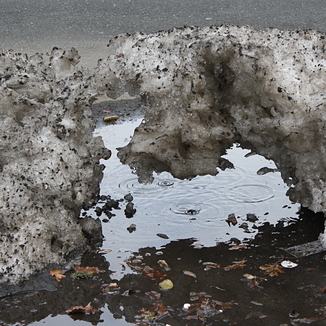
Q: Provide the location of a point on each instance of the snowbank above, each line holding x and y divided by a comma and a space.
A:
49, 161
204, 89
207, 88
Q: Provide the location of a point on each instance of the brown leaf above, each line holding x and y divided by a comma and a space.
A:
80, 309
153, 273
188, 273
153, 295
272, 269
208, 265
164, 265
236, 265
237, 247
110, 288
93, 270
57, 274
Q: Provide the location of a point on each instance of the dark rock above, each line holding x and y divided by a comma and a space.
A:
128, 197
252, 217
131, 228
130, 210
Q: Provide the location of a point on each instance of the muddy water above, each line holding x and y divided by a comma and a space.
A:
187, 223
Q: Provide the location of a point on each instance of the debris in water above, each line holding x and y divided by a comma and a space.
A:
93, 270
236, 265
237, 247
164, 265
272, 269
162, 235
190, 274
306, 249
288, 264
131, 228
166, 284
231, 219
80, 309
57, 274
209, 265
111, 118
130, 210
110, 288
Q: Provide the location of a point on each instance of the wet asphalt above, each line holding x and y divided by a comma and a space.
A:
88, 25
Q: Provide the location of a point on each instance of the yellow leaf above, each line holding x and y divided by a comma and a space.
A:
166, 284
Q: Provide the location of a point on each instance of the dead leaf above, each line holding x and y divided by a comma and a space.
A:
190, 274
253, 281
237, 247
323, 289
272, 269
236, 265
152, 315
93, 270
199, 296
166, 284
80, 309
153, 295
208, 265
131, 292
57, 274
164, 265
153, 273
112, 287
106, 251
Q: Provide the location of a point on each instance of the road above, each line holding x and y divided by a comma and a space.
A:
38, 25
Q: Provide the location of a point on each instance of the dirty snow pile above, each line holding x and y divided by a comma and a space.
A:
49, 161
207, 88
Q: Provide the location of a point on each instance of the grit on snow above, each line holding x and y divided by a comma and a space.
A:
49, 161
207, 88
204, 89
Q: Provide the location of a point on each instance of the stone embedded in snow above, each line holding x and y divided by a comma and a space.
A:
207, 88
49, 161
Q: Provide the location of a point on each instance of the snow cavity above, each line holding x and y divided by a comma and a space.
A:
205, 89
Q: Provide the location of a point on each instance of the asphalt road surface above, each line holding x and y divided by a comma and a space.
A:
39, 25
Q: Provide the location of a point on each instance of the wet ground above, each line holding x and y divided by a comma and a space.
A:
221, 240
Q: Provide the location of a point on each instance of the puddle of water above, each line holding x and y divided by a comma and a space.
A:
196, 208
183, 222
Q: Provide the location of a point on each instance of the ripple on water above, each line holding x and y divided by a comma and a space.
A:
186, 208
132, 185
250, 193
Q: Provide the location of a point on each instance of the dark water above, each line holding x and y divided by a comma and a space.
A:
184, 223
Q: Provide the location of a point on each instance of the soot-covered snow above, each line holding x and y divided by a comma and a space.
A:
49, 161
207, 88
203, 89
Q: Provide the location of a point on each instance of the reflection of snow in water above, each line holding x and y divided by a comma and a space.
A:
194, 208
166, 205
